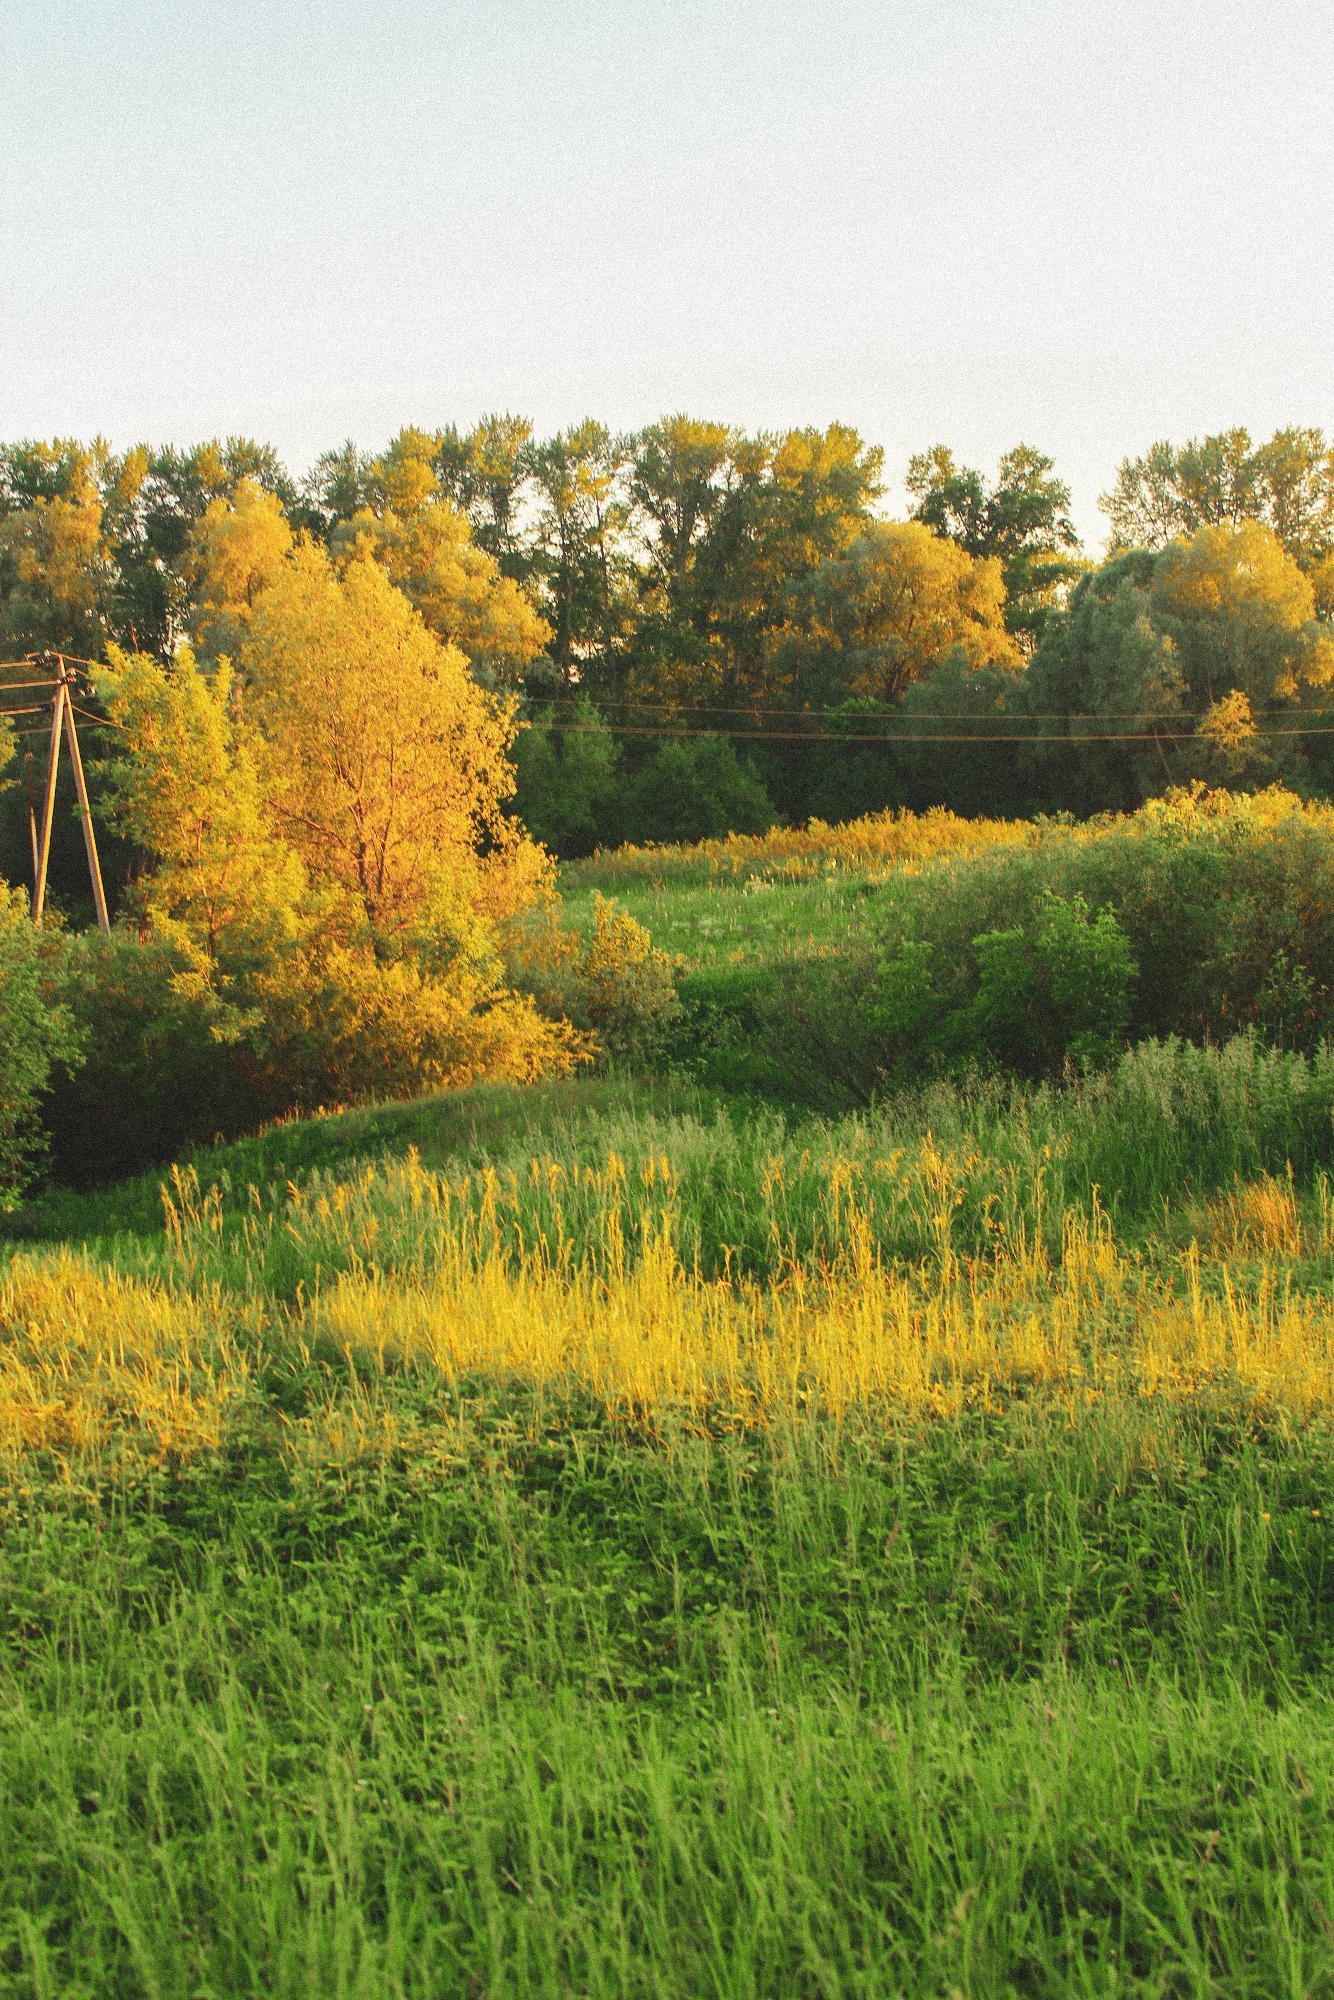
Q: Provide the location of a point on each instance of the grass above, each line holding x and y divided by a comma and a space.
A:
752, 898
592, 1542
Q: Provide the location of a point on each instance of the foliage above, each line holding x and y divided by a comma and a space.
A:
692, 789
878, 617
612, 983
1155, 643
1051, 990
385, 766
567, 778
872, 848
335, 921
1023, 522
1172, 492
38, 1039
161, 1070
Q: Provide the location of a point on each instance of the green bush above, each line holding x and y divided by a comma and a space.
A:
1054, 987
1201, 916
37, 1041
162, 1070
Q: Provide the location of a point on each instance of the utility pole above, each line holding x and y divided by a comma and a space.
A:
49, 799
62, 716
86, 819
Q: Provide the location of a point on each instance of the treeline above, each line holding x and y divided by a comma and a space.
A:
710, 630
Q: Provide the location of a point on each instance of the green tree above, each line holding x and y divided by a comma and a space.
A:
1022, 520
1180, 657
580, 549
1173, 491
568, 779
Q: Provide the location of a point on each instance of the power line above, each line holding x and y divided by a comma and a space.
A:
874, 714
805, 736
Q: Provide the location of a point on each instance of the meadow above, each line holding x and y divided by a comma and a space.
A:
604, 1540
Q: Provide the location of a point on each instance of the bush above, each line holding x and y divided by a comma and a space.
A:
1198, 917
1052, 988
695, 788
162, 1069
615, 986
37, 1040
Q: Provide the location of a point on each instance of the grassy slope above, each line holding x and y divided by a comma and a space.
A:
533, 1699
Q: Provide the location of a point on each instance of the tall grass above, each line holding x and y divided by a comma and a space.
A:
869, 848
565, 1545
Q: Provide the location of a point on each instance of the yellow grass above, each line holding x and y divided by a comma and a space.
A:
93, 1363
871, 847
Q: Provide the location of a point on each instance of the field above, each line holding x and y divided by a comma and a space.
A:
615, 1539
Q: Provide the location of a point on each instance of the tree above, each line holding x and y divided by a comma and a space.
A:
695, 788
879, 618
406, 522
1023, 521
567, 778
56, 578
1180, 657
485, 472
386, 766
331, 877
456, 587
1220, 481
579, 554
239, 546
212, 877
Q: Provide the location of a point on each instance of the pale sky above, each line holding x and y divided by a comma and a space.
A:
1081, 224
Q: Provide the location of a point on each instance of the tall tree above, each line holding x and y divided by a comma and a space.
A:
1180, 657
1022, 520
897, 604
1173, 491
581, 557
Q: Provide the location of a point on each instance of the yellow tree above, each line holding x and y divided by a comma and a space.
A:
239, 546
386, 765
213, 876
895, 606
430, 554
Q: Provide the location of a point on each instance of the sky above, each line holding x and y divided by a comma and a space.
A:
1079, 224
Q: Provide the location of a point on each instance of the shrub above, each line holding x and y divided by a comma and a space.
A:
615, 986
163, 1068
1198, 917
38, 1040
1056, 986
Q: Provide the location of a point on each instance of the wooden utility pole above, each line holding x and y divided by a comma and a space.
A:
62, 717
49, 800
86, 818
32, 810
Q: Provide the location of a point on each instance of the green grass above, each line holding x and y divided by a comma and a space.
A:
712, 924
975, 1707
1032, 1702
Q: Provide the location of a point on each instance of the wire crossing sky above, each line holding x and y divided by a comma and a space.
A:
1082, 225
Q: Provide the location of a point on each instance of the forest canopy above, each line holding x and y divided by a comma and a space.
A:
700, 628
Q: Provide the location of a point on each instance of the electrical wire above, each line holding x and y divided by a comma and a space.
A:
876, 713
805, 736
